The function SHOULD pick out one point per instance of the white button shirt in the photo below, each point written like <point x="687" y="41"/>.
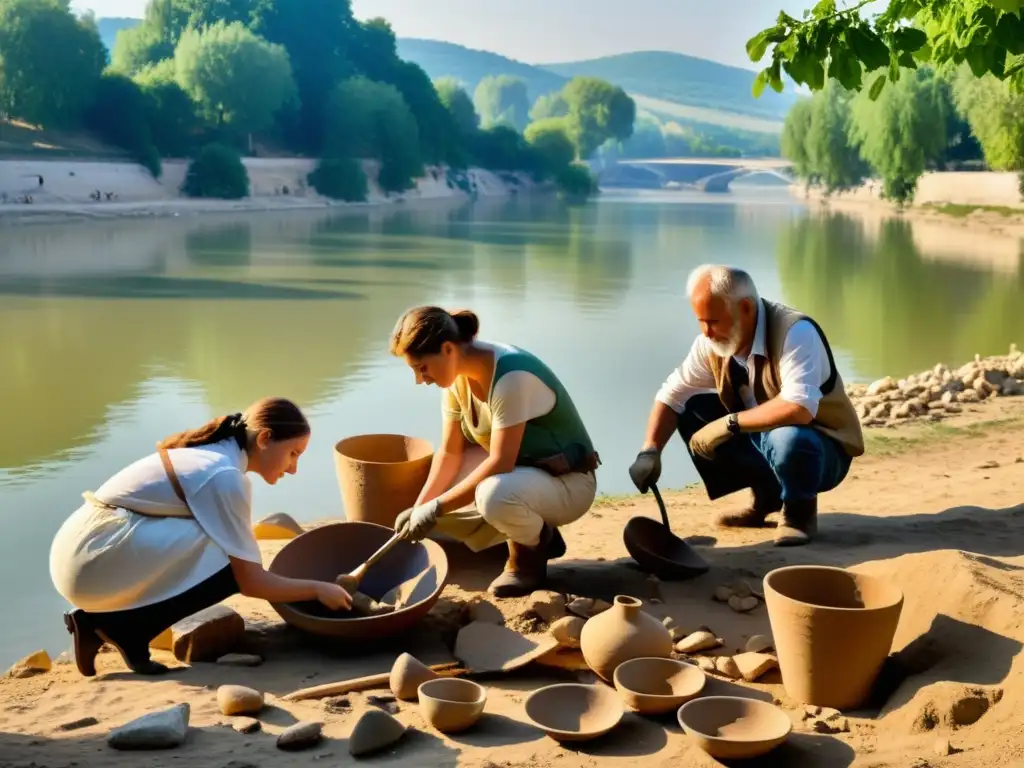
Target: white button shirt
<point x="803" y="368"/>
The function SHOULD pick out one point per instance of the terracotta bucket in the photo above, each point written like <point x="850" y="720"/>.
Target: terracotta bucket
<point x="833" y="630"/>
<point x="380" y="475"/>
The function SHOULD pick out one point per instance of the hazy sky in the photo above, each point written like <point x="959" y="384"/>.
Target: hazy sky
<point x="537" y="31"/>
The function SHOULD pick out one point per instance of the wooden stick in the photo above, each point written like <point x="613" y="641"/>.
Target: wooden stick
<point x="382" y="680"/>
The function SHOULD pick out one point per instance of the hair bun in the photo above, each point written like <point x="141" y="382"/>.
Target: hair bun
<point x="467" y="322"/>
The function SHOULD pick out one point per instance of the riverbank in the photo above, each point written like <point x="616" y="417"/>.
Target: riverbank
<point x="935" y="507"/>
<point x="45" y="191"/>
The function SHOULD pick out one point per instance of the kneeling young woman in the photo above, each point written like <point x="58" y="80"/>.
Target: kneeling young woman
<point x="515" y="462"/>
<point x="171" y="535"/>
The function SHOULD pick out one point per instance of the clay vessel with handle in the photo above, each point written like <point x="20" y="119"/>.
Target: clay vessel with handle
<point x="380" y="475"/>
<point x="350" y="581"/>
<point x="623" y="632"/>
<point x="833" y="630"/>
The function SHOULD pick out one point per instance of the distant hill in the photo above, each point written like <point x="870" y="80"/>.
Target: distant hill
<point x="110" y="26"/>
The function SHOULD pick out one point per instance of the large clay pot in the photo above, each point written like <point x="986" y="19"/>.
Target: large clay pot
<point x="621" y="633"/>
<point x="380" y="475"/>
<point x="833" y="630"/>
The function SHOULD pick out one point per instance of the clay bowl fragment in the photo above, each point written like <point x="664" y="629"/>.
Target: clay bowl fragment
<point x="733" y="727"/>
<point x="657" y="550"/>
<point x="451" y="705"/>
<point x="653" y="686"/>
<point x="322" y="553"/>
<point x="574" y="711"/>
<point x="407" y="674"/>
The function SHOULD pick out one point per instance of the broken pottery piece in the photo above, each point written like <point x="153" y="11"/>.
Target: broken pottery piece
<point x="622" y="633"/>
<point x="277" y="526"/>
<point x="299" y="736"/>
<point x="698" y="641"/>
<point x="759" y="644"/>
<point x="482" y="610"/>
<point x="246" y="724"/>
<point x="548" y="606"/>
<point x="412" y="590"/>
<point x="485" y="647"/>
<point x="365" y="605"/>
<point x="727" y="667"/>
<point x="375" y="730"/>
<point x="451" y="705"/>
<point x="567" y="631"/>
<point x="753" y="665"/>
<point x="573" y="711"/>
<point x="407" y="674"/>
<point x="734" y="728"/>
<point x="655" y="686"/>
<point x="581" y="606"/>
<point x="239" y="700"/>
<point x="33" y="664"/>
<point x="706" y="663"/>
<point x="743" y="604"/>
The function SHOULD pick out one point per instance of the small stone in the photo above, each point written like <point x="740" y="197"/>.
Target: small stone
<point x="754" y="665"/>
<point x="722" y="594"/>
<point x="954" y="408"/>
<point x="759" y="644"/>
<point x="240" y="660"/>
<point x="743" y="604"/>
<point x="881" y="385"/>
<point x="943" y="748"/>
<point x="301" y="735"/>
<point x="677" y="634"/>
<point x="246" y="724"/>
<point x="727" y="667"/>
<point x="581" y="606"/>
<point x="163" y="729"/>
<point x="208" y="634"/>
<point x="239" y="700"/>
<point x="698" y="641"/>
<point x="277" y="526"/>
<point x="567" y="631"/>
<point x="75" y="725"/>
<point x="34" y="664"/>
<point x="337" y="704"/>
<point x="600" y="606"/>
<point x="988" y="465"/>
<point x="482" y="610"/>
<point x="373" y="731"/>
<point x="706" y="663"/>
<point x="547" y="605"/>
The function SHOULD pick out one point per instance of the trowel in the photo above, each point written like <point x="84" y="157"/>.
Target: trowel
<point x="350" y="581"/>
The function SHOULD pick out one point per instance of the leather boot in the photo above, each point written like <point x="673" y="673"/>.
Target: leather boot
<point x="86" y="642"/>
<point x="799" y="523"/>
<point x="526" y="568"/>
<point x="763" y="505"/>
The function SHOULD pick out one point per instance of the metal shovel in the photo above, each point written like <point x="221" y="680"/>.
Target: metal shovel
<point x="659" y="551"/>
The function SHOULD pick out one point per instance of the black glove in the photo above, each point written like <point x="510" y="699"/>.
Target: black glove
<point x="646" y="469"/>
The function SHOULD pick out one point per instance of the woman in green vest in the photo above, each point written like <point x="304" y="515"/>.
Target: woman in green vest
<point x="515" y="461"/>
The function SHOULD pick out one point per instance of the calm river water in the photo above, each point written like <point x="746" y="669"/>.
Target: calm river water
<point x="116" y="333"/>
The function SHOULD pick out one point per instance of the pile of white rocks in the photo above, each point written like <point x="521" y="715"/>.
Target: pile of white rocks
<point x="940" y="392"/>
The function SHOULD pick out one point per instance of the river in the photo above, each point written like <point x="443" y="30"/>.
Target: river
<point x="118" y="332"/>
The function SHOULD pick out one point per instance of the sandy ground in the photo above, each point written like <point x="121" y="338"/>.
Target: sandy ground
<point x="935" y="508"/>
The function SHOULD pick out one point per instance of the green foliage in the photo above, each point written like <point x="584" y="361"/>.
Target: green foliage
<point x="833" y="161"/>
<point x="120" y="114"/>
<point x="459" y="105"/>
<point x="502" y="148"/>
<point x="597" y="111"/>
<point x="902" y="132"/>
<point x="238" y="79"/>
<point x="576" y="183"/>
<point x="217" y="171"/>
<point x="793" y="143"/>
<point x="996" y="116"/>
<point x="550" y="140"/>
<point x="839" y="43"/>
<point x="50" y="61"/>
<point x="340" y="179"/>
<point x="502" y="100"/>
<point x="549" y="105"/>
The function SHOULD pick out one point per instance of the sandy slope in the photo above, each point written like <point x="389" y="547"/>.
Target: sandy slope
<point x="923" y="513"/>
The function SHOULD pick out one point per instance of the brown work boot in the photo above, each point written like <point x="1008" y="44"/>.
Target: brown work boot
<point x="754" y="515"/>
<point x="86" y="642"/>
<point x="526" y="568"/>
<point x="799" y="523"/>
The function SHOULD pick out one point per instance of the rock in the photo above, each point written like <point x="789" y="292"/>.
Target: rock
<point x="954" y="408"/>
<point x="567" y="631"/>
<point x="482" y="610"/>
<point x="34" y="664"/>
<point x="301" y="735"/>
<point x="743" y="604"/>
<point x="942" y="748"/>
<point x="581" y="606"/>
<point x="754" y="665"/>
<point x="600" y="606"/>
<point x="902" y="411"/>
<point x="277" y="526"/>
<point x="365" y="605"/>
<point x="726" y="667"/>
<point x="246" y="724"/>
<point x="759" y="644"/>
<point x="698" y="641"/>
<point x="208" y="635"/>
<point x="240" y="660"/>
<point x="839" y="725"/>
<point x="811" y="710"/>
<point x="741" y="589"/>
<point x="239" y="700"/>
<point x="830" y="714"/>
<point x="677" y="634"/>
<point x="706" y="663"/>
<point x="163" y="729"/>
<point x="75" y="725"/>
<point x="163" y="642"/>
<point x="880" y="411"/>
<point x="373" y="731"/>
<point x="968" y="396"/>
<point x="722" y="594"/>
<point x="337" y="705"/>
<point x="988" y="465"/>
<point x="547" y="605"/>
<point x="881" y="386"/>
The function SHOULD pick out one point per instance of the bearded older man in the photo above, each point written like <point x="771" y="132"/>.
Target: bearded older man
<point x="760" y="404"/>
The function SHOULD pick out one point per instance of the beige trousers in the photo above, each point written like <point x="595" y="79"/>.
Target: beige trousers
<point x="515" y="505"/>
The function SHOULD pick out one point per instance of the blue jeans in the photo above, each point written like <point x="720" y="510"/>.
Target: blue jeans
<point x="792" y="463"/>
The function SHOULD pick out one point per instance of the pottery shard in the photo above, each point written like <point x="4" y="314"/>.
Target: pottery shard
<point x="547" y="605"/>
<point x="277" y="526"/>
<point x="482" y="610"/>
<point x="240" y="660"/>
<point x="567" y="631"/>
<point x="407" y="674"/>
<point x="581" y="606"/>
<point x="697" y="641"/>
<point x="743" y="604"/>
<point x="375" y="730"/>
<point x="246" y="724"/>
<point x="299" y="736"/>
<point x="727" y="667"/>
<point x="239" y="700"/>
<point x="33" y="664"/>
<point x="753" y="665"/>
<point x="163" y="729"/>
<point x="706" y="663"/>
<point x="759" y="644"/>
<point x="208" y="634"/>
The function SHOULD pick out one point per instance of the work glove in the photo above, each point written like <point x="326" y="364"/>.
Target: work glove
<point x="416" y="522"/>
<point x="709" y="437"/>
<point x="646" y="469"/>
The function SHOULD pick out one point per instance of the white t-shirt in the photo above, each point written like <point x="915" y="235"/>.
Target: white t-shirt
<point x="113" y="559"/>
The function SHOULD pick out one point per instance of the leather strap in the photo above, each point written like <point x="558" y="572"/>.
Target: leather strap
<point x="172" y="476"/>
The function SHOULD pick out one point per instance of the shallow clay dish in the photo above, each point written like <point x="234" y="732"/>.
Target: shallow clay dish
<point x="451" y="705"/>
<point x="324" y="552"/>
<point x="733" y="727"/>
<point x="653" y="686"/>
<point x="573" y="711"/>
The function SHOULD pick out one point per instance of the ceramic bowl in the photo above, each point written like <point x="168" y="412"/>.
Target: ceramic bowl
<point x="733" y="727"/>
<point x="653" y="686"/>
<point x="450" y="704"/>
<point x="573" y="711"/>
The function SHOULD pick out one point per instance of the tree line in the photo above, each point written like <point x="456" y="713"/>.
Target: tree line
<point x="208" y="79"/>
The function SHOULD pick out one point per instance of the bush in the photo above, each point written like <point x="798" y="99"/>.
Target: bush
<point x="119" y="114"/>
<point x="550" y="140"/>
<point x="502" y="148"/>
<point x="340" y="179"/>
<point x="576" y="182"/>
<point x="217" y="171"/>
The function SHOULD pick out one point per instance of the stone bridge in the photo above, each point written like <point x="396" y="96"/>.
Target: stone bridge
<point x="704" y="174"/>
